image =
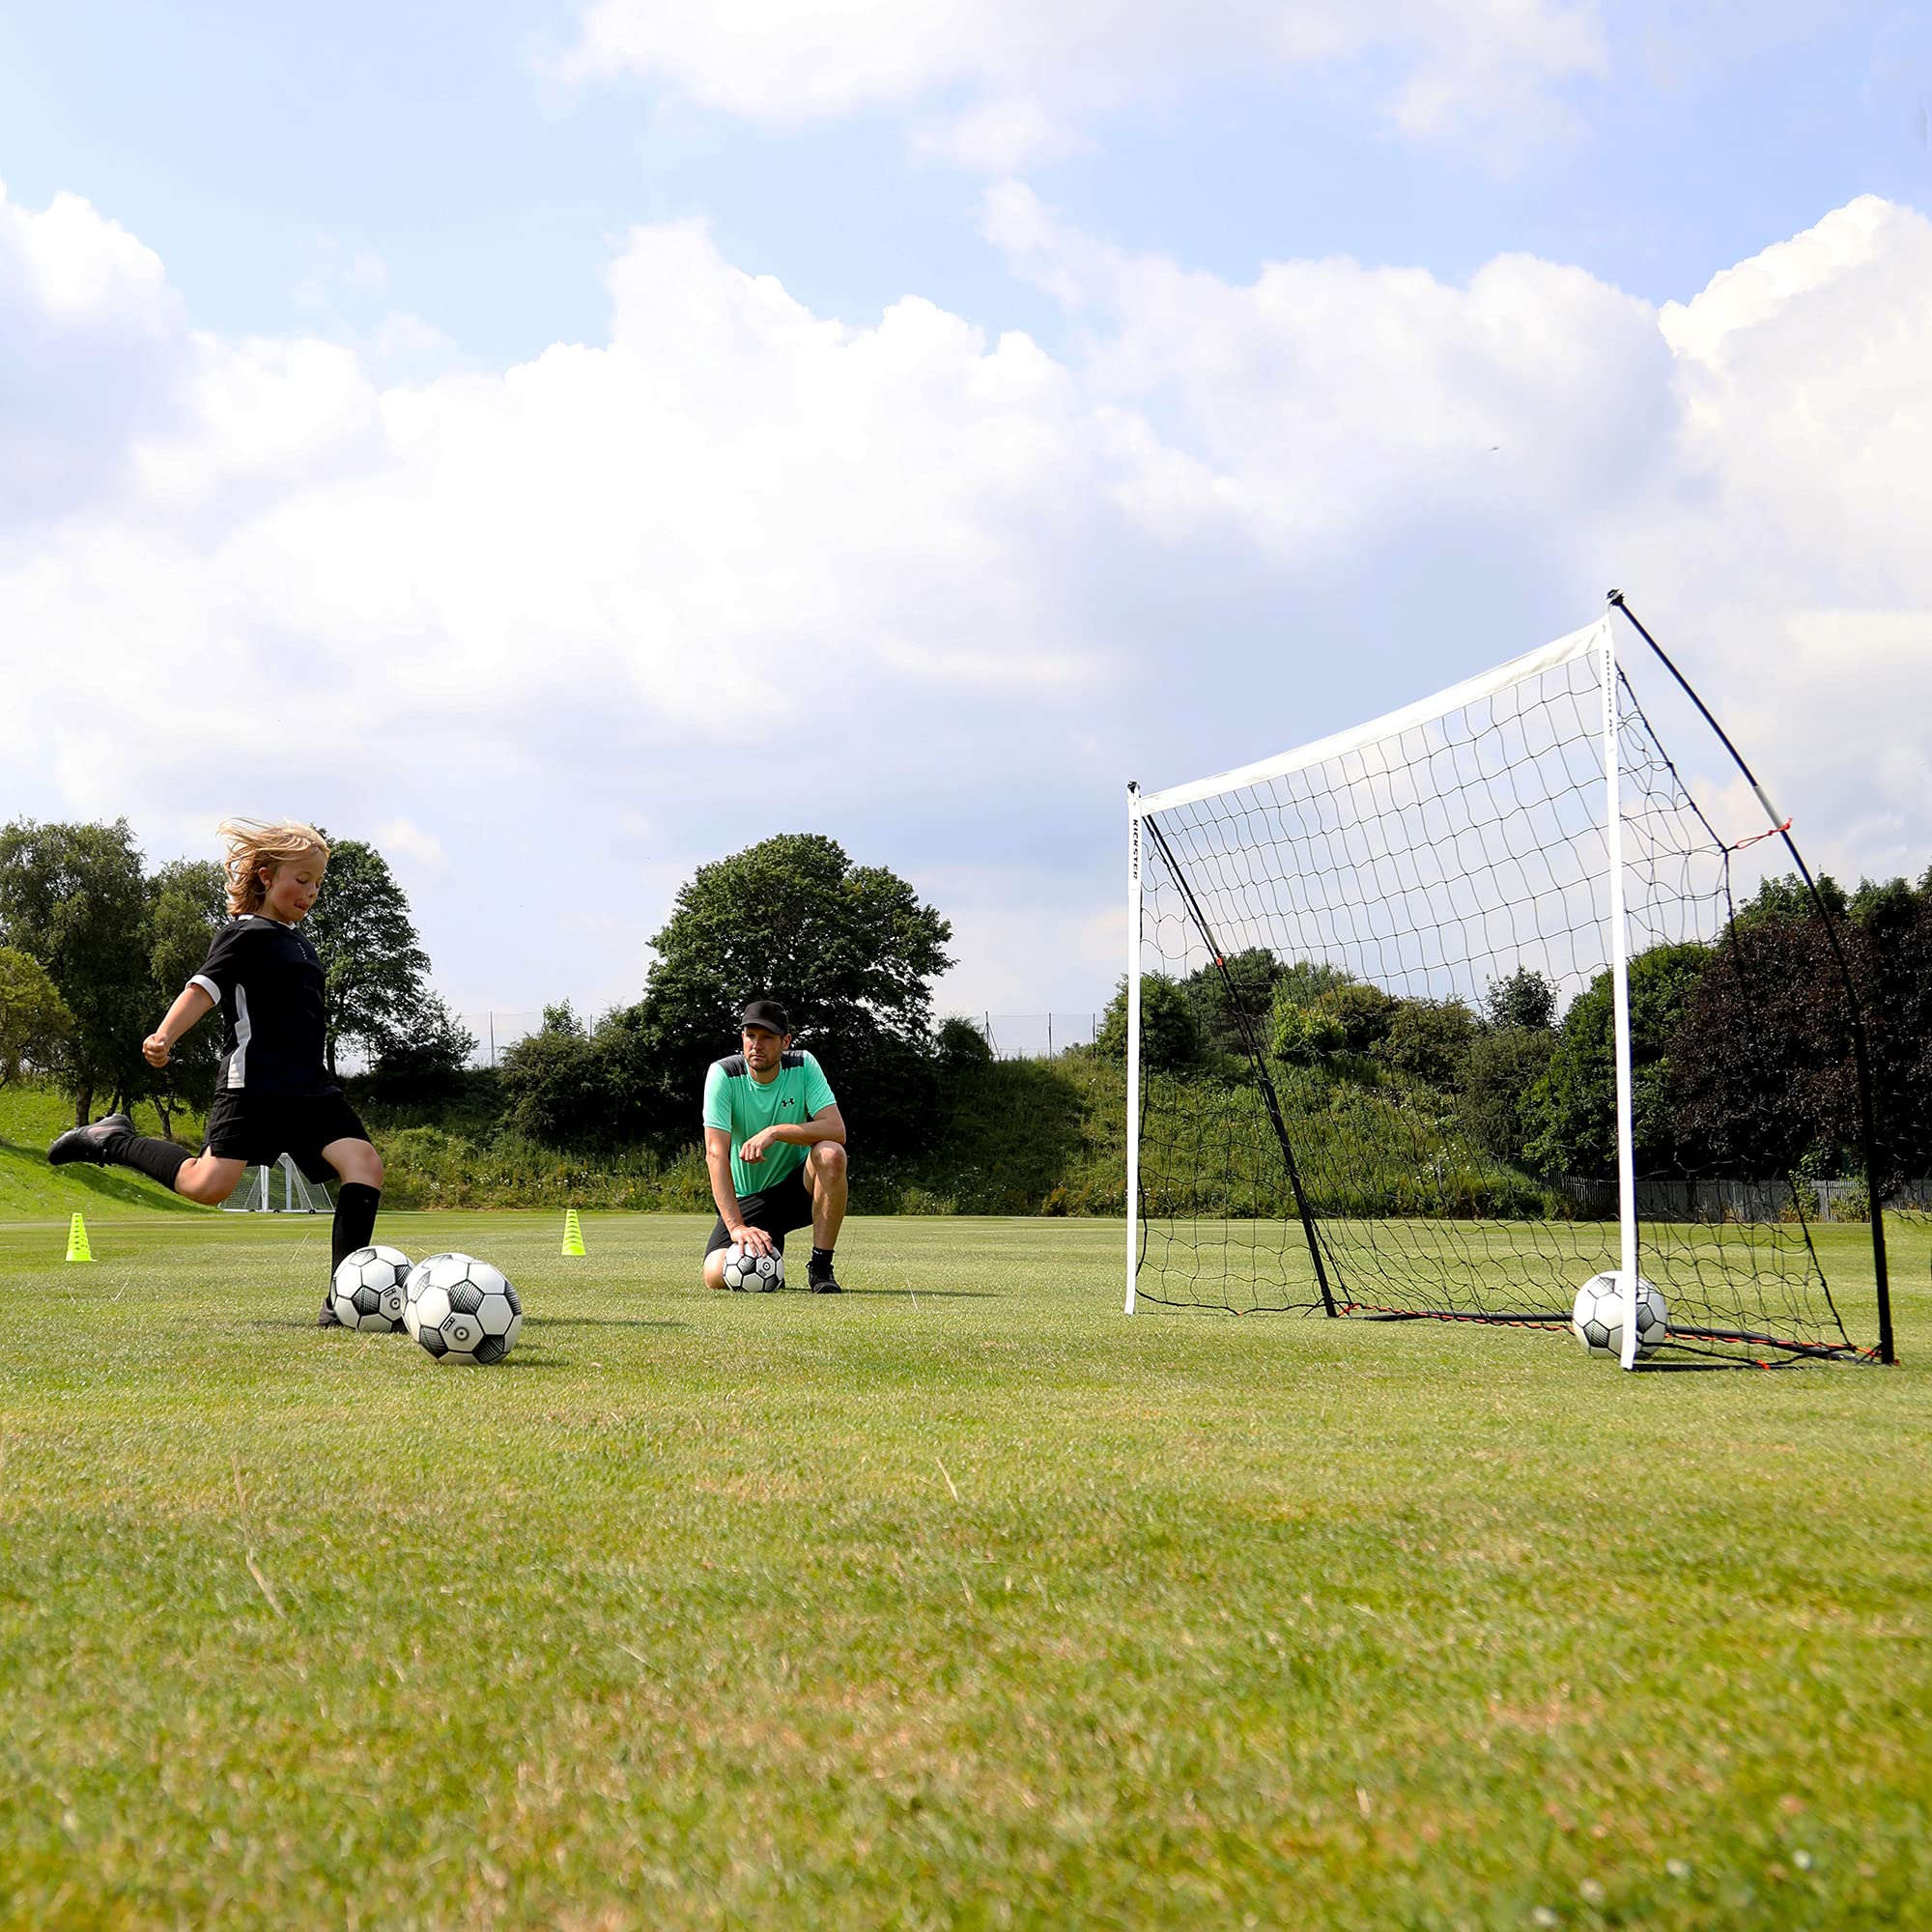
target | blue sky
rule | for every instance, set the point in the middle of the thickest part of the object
(1060, 443)
(262, 150)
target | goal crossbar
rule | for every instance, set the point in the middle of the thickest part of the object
(1552, 656)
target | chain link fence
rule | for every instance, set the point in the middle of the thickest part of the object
(497, 1031)
(1036, 1036)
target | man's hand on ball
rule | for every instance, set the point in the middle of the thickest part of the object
(155, 1049)
(755, 1240)
(754, 1148)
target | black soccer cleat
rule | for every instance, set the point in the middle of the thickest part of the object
(821, 1280)
(329, 1318)
(90, 1143)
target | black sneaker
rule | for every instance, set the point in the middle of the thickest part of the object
(329, 1318)
(89, 1144)
(821, 1280)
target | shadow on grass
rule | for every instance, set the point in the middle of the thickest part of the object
(104, 1184)
(594, 1321)
(930, 1294)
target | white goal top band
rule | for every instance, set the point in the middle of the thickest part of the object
(1532, 664)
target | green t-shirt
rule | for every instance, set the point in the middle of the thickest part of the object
(737, 1103)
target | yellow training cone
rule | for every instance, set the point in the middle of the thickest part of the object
(573, 1232)
(77, 1249)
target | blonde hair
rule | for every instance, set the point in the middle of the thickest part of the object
(253, 844)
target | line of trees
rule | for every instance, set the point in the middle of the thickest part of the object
(849, 951)
(94, 948)
(1741, 1050)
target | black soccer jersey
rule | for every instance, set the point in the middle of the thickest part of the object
(269, 980)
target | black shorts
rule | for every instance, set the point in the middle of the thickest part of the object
(260, 1127)
(776, 1210)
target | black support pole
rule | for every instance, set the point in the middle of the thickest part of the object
(1860, 1051)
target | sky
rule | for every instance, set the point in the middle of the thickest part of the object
(565, 443)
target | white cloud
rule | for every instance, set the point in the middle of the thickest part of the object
(401, 335)
(333, 271)
(561, 629)
(1750, 464)
(1000, 135)
(88, 330)
(1033, 78)
(1409, 392)
(600, 551)
(412, 841)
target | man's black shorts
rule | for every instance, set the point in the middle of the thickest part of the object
(260, 1127)
(776, 1210)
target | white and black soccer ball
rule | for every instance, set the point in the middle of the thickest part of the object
(462, 1310)
(1598, 1319)
(752, 1274)
(367, 1290)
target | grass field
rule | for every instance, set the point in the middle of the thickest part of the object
(30, 1117)
(961, 1600)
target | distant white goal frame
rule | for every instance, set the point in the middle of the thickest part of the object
(300, 1194)
(1595, 641)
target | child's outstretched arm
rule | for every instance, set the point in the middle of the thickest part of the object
(190, 1003)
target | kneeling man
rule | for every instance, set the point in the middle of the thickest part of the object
(774, 1142)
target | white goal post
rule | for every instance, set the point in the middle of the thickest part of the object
(280, 1190)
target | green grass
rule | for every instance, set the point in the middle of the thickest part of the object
(30, 1119)
(961, 1600)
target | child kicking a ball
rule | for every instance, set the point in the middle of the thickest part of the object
(272, 1093)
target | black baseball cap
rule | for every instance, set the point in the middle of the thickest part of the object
(766, 1013)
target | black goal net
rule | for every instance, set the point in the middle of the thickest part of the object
(1386, 1069)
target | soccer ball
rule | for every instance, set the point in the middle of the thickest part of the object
(462, 1310)
(755, 1274)
(367, 1292)
(1598, 1319)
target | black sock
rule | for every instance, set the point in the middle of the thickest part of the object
(821, 1258)
(355, 1205)
(160, 1160)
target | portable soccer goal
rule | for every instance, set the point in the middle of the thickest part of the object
(1446, 1016)
(279, 1189)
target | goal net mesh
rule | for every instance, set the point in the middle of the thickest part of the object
(1383, 972)
(279, 1188)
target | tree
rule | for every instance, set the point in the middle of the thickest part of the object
(962, 1045)
(1497, 1073)
(1427, 1040)
(187, 901)
(35, 1024)
(558, 1086)
(1364, 1014)
(1765, 1077)
(849, 951)
(1571, 1113)
(1252, 974)
(1786, 898)
(1303, 1032)
(424, 1054)
(72, 898)
(1170, 1036)
(1893, 962)
(371, 960)
(1524, 998)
